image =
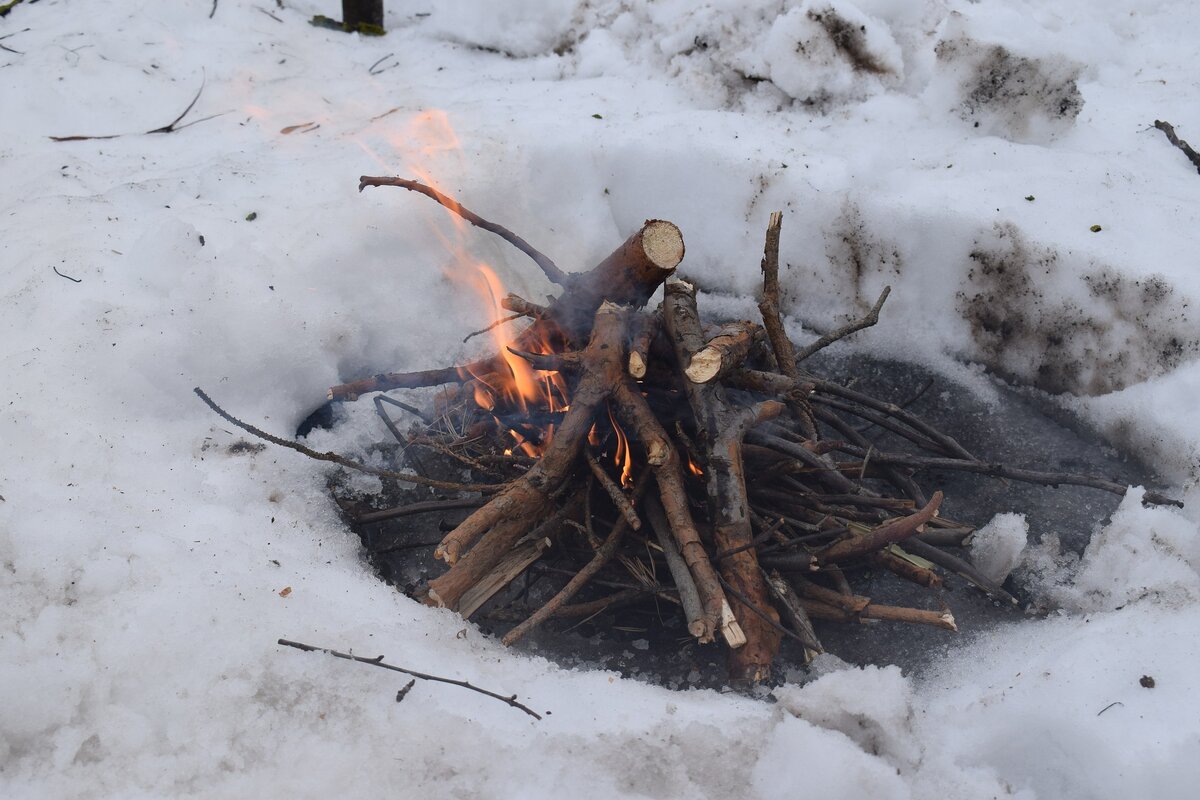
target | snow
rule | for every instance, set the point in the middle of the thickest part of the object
(143, 560)
(996, 547)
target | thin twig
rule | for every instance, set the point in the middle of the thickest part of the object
(422, 507)
(170, 127)
(870, 319)
(371, 69)
(1169, 129)
(214, 9)
(493, 326)
(549, 268)
(378, 662)
(342, 460)
(68, 277)
(1012, 473)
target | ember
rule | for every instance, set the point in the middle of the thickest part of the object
(675, 461)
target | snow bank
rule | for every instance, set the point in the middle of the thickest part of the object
(145, 550)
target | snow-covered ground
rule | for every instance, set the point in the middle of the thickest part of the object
(961, 151)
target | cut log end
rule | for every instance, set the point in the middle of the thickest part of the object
(637, 365)
(705, 366)
(735, 637)
(663, 244)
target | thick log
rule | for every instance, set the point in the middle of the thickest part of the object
(723, 427)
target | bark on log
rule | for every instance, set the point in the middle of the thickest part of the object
(723, 426)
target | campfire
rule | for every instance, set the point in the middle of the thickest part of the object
(676, 460)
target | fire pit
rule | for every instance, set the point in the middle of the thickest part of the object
(710, 478)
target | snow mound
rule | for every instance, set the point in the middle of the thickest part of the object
(996, 547)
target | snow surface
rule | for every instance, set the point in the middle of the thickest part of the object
(960, 151)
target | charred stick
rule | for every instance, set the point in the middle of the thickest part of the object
(423, 507)
(1169, 131)
(867, 321)
(1012, 473)
(548, 267)
(897, 477)
(827, 472)
(614, 492)
(896, 530)
(948, 443)
(378, 662)
(724, 427)
(334, 458)
(881, 420)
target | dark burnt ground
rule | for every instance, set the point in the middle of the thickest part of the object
(648, 640)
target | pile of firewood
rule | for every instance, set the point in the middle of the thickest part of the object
(707, 449)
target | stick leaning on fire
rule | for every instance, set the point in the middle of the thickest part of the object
(743, 403)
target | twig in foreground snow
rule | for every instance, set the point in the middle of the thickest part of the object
(170, 127)
(1169, 129)
(378, 662)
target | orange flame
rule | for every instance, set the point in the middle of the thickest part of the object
(694, 469)
(624, 456)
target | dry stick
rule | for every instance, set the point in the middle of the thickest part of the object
(378, 662)
(514, 562)
(619, 498)
(870, 319)
(770, 618)
(794, 613)
(493, 326)
(1169, 129)
(548, 267)
(602, 556)
(689, 596)
(912, 616)
(334, 458)
(1012, 473)
(962, 568)
(896, 530)
(633, 409)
